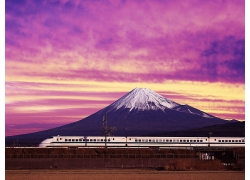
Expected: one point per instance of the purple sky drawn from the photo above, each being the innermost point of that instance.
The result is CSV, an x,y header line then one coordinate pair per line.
x,y
65,60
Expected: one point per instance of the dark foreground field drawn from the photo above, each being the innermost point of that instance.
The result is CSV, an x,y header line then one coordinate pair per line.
x,y
123,174
87,158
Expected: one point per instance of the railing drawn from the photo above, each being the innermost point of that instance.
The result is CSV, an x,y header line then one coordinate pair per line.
x,y
101,156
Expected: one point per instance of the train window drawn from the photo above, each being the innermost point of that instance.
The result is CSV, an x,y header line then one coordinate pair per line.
x,y
201,140
226,140
113,138
222,140
170,140
143,140
149,140
130,139
160,140
77,140
229,140
156,140
206,139
184,140
214,139
135,140
232,140
108,139
243,140
80,139
180,140
191,140
187,140
139,140
90,139
236,140
73,139
87,139
69,139
66,139
101,139
219,140
60,138
94,139
239,140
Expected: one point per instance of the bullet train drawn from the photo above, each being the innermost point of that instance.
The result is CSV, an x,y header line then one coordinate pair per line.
x,y
133,142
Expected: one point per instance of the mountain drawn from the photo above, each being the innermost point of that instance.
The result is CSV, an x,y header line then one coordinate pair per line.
x,y
141,112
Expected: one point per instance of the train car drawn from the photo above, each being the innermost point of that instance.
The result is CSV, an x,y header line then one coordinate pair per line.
x,y
99,141
83,141
166,141
226,141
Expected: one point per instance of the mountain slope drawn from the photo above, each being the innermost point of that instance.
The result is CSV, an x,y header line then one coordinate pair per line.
x,y
141,112
189,109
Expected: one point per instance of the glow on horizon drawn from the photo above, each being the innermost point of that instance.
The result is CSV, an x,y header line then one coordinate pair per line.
x,y
68,59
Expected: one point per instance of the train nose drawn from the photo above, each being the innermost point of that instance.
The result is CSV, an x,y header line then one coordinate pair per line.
x,y
45,143
42,145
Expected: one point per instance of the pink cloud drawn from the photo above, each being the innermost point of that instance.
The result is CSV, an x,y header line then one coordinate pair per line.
x,y
171,33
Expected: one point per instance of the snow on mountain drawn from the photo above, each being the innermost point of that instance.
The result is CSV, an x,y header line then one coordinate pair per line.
x,y
143,99
189,109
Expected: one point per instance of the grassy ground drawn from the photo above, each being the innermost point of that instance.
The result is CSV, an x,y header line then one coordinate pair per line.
x,y
122,174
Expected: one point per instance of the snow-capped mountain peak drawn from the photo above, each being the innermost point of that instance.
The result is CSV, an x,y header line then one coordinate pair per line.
x,y
143,99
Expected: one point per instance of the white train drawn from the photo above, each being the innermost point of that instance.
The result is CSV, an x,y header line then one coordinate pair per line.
x,y
99,141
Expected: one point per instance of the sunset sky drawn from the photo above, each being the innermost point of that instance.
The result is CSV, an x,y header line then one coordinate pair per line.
x,y
65,60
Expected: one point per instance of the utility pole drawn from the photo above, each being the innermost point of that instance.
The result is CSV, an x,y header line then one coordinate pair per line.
x,y
105,128
210,133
